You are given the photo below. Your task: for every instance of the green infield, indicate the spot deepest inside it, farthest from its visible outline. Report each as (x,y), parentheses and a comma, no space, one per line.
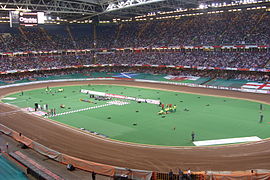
(209,117)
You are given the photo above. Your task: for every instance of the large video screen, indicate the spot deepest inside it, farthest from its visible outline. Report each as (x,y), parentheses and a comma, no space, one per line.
(19,18)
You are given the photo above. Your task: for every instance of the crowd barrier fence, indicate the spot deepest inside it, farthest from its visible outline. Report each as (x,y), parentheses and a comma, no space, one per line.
(143,80)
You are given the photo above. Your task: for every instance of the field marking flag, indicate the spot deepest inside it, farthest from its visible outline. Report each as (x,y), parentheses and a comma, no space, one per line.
(255,85)
(126,75)
(181,78)
(266,86)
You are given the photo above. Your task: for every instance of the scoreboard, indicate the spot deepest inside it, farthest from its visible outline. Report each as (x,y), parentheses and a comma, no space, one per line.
(19,18)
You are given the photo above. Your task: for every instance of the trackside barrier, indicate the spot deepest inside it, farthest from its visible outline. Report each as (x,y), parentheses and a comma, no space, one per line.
(15,135)
(165,176)
(46,151)
(76,162)
(133,173)
(62,158)
(247,175)
(88,166)
(226,175)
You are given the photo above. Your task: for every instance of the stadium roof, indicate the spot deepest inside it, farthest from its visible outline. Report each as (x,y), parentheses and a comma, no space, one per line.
(105,9)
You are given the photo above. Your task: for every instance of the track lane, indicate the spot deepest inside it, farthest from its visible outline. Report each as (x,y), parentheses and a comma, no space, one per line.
(75,143)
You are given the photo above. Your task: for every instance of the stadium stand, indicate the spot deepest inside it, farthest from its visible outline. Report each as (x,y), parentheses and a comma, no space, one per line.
(244,27)
(196,58)
(226,49)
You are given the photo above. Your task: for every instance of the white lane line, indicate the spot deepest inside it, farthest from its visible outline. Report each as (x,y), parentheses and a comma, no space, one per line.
(13,102)
(9,112)
(8,98)
(121,103)
(80,110)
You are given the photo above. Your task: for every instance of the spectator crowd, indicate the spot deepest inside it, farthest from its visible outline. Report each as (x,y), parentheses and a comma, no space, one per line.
(244,27)
(194,58)
(66,60)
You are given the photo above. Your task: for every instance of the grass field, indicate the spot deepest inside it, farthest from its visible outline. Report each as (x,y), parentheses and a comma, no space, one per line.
(209,117)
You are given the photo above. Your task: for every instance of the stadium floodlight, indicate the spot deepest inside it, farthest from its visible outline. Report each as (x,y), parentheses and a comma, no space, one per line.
(129,3)
(202,6)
